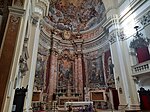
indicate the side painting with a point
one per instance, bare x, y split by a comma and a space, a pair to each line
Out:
95, 73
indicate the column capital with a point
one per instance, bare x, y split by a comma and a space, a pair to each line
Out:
145, 19
118, 33
79, 54
54, 52
112, 37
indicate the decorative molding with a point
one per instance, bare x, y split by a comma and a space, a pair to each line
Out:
118, 33
43, 51
95, 43
23, 66
35, 20
96, 53
132, 7
16, 11
45, 41
145, 20
121, 35
18, 3
113, 38
54, 52
14, 20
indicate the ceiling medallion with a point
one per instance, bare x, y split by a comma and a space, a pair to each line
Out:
66, 35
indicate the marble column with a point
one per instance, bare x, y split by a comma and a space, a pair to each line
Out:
76, 74
53, 74
80, 75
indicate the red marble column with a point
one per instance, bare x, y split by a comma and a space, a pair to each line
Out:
53, 75
76, 75
80, 75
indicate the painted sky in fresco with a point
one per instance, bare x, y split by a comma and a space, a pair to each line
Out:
75, 15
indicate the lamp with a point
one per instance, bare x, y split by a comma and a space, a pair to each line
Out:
139, 40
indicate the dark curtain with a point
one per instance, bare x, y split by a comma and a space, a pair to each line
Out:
144, 99
143, 54
145, 102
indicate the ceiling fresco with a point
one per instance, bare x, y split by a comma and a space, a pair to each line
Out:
75, 15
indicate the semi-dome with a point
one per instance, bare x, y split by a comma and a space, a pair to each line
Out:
75, 15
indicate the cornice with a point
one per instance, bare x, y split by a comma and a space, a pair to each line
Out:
100, 50
145, 19
132, 7
16, 10
94, 48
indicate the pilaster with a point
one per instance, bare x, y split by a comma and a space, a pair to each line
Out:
120, 56
119, 68
33, 46
9, 49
